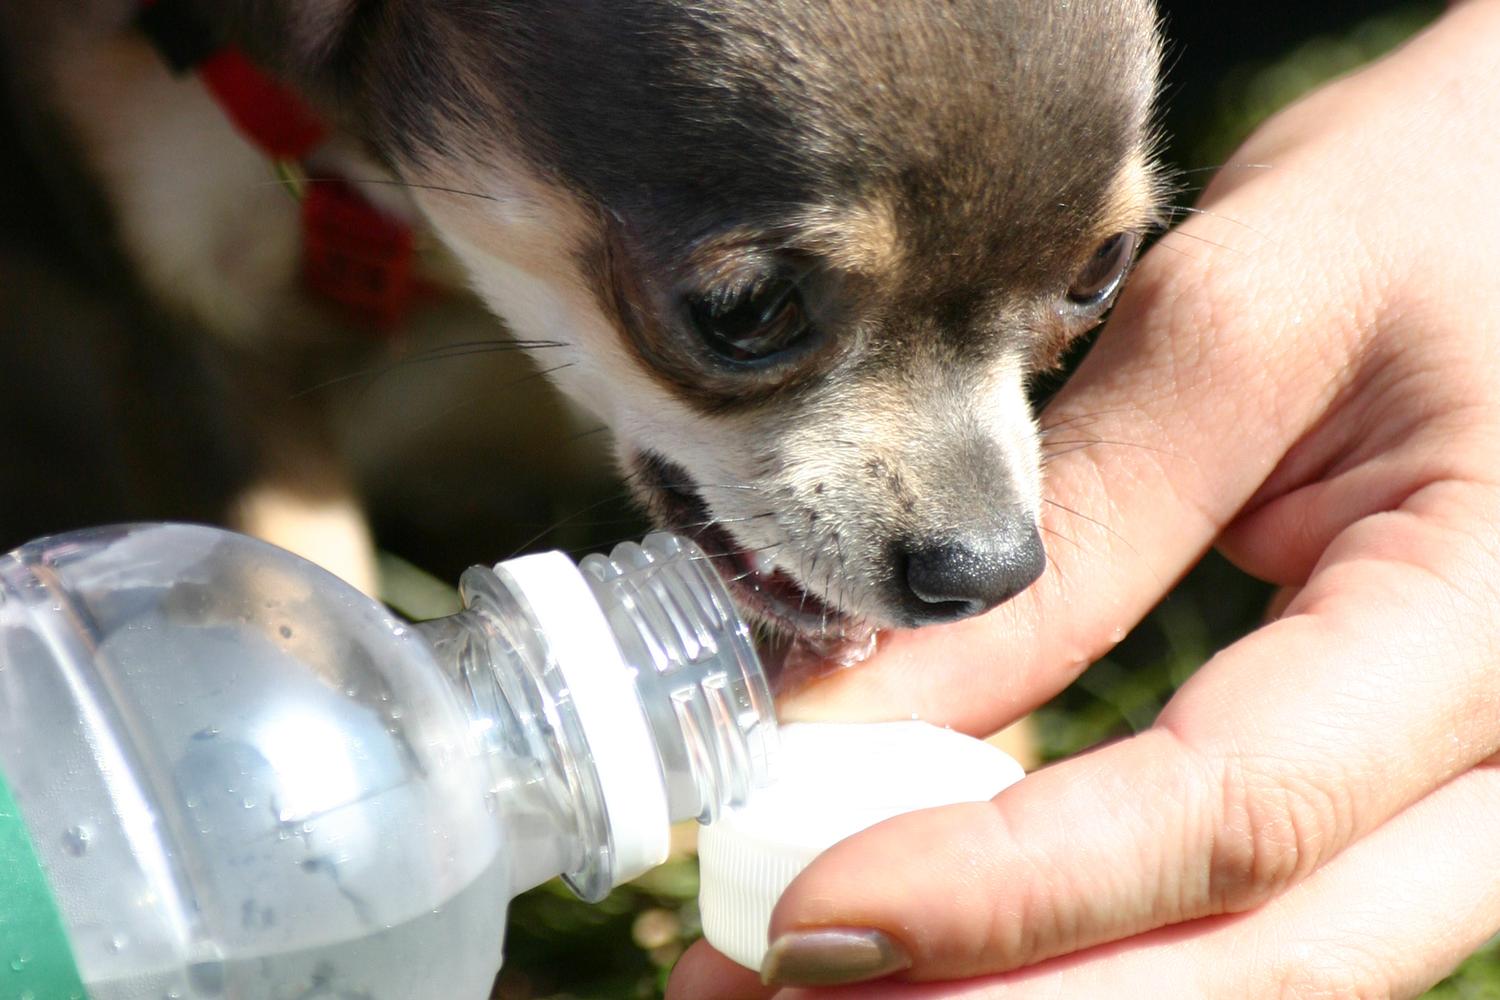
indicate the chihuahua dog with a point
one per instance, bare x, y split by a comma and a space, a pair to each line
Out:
802, 256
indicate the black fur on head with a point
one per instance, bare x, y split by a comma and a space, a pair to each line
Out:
668, 111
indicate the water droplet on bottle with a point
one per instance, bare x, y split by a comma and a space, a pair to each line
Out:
19, 962
286, 631
75, 840
117, 942
206, 733
248, 803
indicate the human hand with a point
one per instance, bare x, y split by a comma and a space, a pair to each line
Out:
1307, 375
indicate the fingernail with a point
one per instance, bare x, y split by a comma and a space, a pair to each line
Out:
831, 956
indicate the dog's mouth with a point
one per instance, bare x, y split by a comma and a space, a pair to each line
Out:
767, 592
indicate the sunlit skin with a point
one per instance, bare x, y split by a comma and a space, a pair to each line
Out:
1306, 375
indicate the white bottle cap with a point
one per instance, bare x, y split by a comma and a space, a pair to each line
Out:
833, 780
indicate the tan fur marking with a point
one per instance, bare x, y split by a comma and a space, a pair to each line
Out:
859, 239
1135, 199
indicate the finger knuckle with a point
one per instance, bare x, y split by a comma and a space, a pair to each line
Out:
1325, 971
1272, 832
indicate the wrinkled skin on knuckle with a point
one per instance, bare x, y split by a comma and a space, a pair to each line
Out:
1270, 836
1025, 926
1325, 970
1002, 937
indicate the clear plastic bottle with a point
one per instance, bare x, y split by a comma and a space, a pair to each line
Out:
241, 778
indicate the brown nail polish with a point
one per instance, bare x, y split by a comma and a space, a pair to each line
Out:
831, 956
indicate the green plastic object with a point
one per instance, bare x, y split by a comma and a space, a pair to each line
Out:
36, 961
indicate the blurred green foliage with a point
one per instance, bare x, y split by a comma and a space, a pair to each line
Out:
1249, 94
560, 949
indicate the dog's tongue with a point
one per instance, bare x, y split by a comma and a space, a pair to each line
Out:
804, 660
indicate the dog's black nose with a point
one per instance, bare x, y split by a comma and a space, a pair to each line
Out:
965, 576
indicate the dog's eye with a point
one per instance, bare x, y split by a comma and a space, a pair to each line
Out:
1102, 276
752, 325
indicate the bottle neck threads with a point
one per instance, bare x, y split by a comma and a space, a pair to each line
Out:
627, 682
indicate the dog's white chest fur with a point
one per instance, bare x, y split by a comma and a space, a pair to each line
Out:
211, 231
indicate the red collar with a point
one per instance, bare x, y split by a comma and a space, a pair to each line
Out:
354, 255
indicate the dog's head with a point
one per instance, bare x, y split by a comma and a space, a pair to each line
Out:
803, 255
